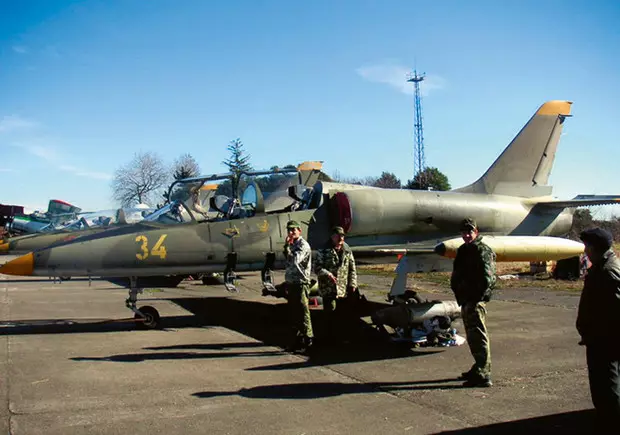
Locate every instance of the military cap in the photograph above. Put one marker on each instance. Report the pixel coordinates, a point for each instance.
(468, 224)
(598, 238)
(292, 224)
(338, 230)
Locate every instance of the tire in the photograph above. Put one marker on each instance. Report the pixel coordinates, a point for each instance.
(152, 319)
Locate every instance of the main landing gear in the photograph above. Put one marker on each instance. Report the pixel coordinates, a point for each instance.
(145, 317)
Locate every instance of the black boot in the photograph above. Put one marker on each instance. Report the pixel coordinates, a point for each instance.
(295, 344)
(306, 345)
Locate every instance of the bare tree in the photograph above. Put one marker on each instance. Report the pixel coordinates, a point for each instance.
(185, 166)
(362, 181)
(140, 179)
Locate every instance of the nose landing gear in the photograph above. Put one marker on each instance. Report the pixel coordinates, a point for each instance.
(146, 317)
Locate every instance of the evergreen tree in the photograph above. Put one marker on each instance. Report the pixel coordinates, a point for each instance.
(429, 179)
(238, 162)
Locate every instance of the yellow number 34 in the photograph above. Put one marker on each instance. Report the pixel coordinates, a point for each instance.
(158, 250)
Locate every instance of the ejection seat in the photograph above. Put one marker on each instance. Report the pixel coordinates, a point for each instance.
(223, 205)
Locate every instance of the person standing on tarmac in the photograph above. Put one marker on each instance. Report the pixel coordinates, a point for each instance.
(337, 276)
(297, 276)
(597, 324)
(472, 282)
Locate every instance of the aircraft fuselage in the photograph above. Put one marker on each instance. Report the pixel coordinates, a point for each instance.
(375, 217)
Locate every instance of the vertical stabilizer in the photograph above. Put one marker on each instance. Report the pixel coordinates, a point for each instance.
(308, 173)
(523, 168)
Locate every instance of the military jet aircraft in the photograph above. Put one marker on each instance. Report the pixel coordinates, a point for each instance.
(510, 199)
(192, 193)
(57, 212)
(84, 224)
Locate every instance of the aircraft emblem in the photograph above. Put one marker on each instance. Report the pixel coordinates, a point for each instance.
(263, 226)
(231, 232)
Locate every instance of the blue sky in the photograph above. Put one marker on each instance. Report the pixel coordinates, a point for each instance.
(86, 84)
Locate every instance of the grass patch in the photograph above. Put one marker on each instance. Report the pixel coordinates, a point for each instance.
(519, 269)
(377, 269)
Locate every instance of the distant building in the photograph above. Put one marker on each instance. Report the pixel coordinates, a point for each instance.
(8, 211)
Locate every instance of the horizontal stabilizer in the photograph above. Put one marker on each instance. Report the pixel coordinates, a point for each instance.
(583, 201)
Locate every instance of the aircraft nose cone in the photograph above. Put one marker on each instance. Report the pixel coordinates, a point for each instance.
(23, 266)
(440, 249)
(4, 247)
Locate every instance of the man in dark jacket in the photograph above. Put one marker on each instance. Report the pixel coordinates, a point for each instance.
(597, 324)
(472, 281)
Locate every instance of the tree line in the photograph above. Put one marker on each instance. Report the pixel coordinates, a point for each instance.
(146, 178)
(583, 220)
(427, 179)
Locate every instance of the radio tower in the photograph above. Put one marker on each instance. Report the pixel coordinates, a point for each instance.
(419, 162)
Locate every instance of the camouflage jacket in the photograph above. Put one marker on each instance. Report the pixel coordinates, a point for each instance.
(298, 262)
(327, 263)
(473, 277)
(599, 306)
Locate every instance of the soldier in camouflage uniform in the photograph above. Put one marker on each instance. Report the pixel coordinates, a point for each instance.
(335, 269)
(297, 276)
(472, 282)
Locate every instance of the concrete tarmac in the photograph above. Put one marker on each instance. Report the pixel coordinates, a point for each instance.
(218, 367)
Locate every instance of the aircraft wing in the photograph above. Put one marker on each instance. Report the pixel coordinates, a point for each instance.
(368, 253)
(583, 201)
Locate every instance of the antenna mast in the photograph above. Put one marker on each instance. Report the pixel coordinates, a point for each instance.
(419, 161)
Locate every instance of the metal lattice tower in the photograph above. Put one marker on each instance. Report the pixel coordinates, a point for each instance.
(419, 161)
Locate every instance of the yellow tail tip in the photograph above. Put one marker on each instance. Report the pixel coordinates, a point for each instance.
(23, 266)
(310, 165)
(555, 107)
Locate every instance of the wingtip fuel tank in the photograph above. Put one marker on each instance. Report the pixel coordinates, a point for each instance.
(520, 248)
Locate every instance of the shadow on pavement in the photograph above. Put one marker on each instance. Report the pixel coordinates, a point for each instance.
(568, 423)
(141, 357)
(212, 346)
(48, 280)
(330, 389)
(72, 326)
(268, 324)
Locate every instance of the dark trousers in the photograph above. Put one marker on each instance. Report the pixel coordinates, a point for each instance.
(604, 375)
(339, 317)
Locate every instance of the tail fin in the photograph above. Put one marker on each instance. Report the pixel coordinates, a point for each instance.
(523, 168)
(308, 173)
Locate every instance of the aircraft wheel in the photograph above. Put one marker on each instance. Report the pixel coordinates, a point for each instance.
(412, 297)
(151, 319)
(65, 278)
(210, 279)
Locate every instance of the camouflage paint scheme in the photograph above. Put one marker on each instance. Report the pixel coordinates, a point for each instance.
(308, 173)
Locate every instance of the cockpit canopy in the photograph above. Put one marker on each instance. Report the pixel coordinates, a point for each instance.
(172, 213)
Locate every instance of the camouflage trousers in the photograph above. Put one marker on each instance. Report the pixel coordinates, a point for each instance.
(299, 309)
(474, 318)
